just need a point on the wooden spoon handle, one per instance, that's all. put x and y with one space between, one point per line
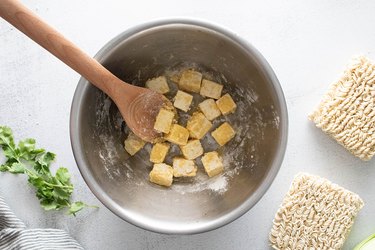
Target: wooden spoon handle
30 24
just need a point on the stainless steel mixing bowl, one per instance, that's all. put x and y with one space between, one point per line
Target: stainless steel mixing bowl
251 160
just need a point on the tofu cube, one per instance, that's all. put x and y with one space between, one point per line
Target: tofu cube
164 120
159 151
209 109
190 80
175 77
178 135
223 134
158 84
182 100
211 89
133 144
198 125
212 163
183 167
162 174
192 149
226 104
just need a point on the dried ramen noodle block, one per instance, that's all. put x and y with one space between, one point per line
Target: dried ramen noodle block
347 111
315 214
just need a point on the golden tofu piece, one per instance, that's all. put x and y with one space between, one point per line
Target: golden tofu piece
212 163
223 134
182 100
183 167
133 144
175 77
164 120
162 174
198 125
209 109
158 84
211 89
159 151
192 149
226 104
178 135
190 80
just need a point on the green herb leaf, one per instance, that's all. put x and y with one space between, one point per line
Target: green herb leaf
7 143
17 168
63 176
6 137
76 207
27 149
49 205
10 153
43 162
46 159
4 168
53 192
62 193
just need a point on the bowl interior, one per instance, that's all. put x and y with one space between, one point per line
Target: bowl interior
200 203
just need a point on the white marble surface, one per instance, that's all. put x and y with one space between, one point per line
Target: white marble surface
308 43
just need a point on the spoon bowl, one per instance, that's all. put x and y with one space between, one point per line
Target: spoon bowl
143 111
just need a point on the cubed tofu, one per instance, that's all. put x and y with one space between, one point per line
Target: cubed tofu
158 84
159 151
182 100
192 149
183 167
175 77
211 89
133 144
164 120
178 135
198 125
209 109
212 163
162 174
223 134
190 80
226 104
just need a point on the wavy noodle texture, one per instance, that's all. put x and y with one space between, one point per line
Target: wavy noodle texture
315 214
347 111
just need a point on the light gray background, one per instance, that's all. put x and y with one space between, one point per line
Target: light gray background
308 44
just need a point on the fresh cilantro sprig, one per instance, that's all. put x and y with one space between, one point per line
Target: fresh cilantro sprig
53 192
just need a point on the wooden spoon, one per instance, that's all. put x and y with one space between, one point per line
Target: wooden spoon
138 106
